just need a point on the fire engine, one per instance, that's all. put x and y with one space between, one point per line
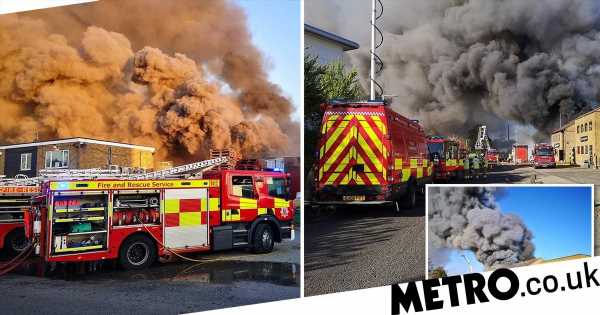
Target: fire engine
492 157
447 157
137 218
14 200
369 154
543 155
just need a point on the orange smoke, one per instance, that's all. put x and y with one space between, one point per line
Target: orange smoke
91 71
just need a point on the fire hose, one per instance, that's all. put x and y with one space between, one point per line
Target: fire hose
16 261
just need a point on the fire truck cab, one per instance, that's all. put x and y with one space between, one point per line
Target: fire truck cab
447 158
369 154
543 155
14 200
137 221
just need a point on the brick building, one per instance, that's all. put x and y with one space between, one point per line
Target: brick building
72 153
578 142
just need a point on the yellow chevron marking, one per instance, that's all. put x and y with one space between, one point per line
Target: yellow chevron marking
370 155
262 211
425 163
419 172
372 178
332 178
379 124
335 155
369 131
336 133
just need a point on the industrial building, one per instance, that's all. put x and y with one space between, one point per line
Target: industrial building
326 46
578 142
72 153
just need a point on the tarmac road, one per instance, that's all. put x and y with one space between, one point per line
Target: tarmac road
226 279
356 248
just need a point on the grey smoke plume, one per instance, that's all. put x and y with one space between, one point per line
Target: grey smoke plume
455 64
468 218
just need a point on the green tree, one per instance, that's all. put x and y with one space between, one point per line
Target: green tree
438 272
322 83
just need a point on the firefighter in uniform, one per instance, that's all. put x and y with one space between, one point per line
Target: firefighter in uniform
467 170
484 169
475 165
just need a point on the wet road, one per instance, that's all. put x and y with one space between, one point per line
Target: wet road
356 248
225 279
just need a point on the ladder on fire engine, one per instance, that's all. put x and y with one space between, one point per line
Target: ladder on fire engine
96 173
483 142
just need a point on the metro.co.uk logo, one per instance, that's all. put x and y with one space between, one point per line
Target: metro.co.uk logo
502 284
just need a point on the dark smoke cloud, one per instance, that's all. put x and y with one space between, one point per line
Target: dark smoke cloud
182 76
468 218
456 64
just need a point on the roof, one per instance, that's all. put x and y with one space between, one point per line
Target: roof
80 140
595 110
346 43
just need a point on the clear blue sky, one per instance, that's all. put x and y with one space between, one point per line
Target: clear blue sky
276 30
559 217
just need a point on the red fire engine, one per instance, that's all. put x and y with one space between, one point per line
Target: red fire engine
369 154
13 201
543 155
492 157
136 220
447 157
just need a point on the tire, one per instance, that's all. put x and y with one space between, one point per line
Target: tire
409 200
137 252
262 239
16 242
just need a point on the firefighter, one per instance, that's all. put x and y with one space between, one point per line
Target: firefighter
467 170
475 160
484 169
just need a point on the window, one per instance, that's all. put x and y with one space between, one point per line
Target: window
25 162
590 127
584 127
586 149
277 187
577 129
57 159
242 186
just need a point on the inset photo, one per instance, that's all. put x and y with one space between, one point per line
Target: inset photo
478 228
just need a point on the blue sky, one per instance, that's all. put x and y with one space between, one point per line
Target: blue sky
276 30
559 217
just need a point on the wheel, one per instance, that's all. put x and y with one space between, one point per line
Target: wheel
16 242
410 198
137 252
262 240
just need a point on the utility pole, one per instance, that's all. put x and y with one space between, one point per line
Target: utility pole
373 8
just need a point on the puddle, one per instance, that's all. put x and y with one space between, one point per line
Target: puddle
222 272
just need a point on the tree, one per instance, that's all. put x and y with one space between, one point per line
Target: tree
438 272
322 83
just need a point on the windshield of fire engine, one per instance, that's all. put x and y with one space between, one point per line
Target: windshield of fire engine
277 188
544 152
242 186
437 147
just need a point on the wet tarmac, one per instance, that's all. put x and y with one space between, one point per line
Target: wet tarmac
226 279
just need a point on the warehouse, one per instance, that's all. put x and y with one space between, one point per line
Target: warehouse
72 153
578 142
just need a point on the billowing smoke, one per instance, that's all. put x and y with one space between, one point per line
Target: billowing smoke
468 218
181 76
455 64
